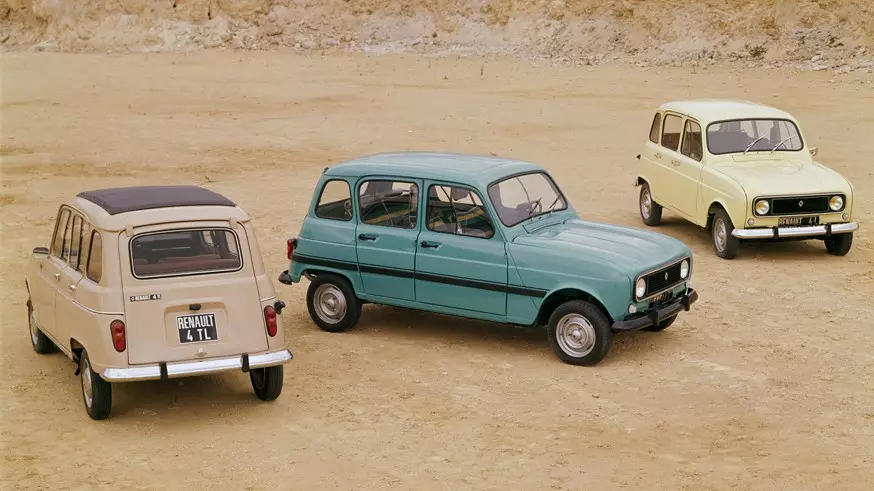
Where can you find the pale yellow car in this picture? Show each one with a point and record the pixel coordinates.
(743, 171)
(155, 282)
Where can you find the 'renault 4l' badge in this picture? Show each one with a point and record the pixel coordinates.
(145, 298)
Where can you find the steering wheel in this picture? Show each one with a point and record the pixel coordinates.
(347, 206)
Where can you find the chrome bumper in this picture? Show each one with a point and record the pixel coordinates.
(189, 368)
(786, 232)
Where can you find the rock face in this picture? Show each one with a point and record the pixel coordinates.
(838, 32)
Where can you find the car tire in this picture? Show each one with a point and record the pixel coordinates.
(96, 392)
(267, 382)
(650, 211)
(579, 333)
(725, 244)
(840, 244)
(332, 303)
(661, 326)
(38, 340)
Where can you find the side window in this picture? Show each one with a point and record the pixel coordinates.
(335, 202)
(94, 271)
(68, 238)
(692, 144)
(84, 249)
(457, 210)
(389, 203)
(60, 227)
(671, 132)
(654, 129)
(75, 242)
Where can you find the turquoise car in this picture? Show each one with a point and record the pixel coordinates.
(486, 238)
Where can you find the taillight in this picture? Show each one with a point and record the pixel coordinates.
(270, 319)
(118, 338)
(289, 247)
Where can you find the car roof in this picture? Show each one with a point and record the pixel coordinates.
(441, 166)
(707, 111)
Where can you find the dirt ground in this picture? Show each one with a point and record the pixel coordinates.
(768, 383)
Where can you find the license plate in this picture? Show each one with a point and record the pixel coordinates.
(196, 328)
(797, 221)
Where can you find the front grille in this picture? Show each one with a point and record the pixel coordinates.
(799, 205)
(662, 279)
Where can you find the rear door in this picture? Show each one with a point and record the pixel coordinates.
(190, 293)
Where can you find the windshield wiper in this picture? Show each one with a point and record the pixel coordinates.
(554, 203)
(753, 143)
(782, 142)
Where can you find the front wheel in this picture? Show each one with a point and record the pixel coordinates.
(38, 340)
(332, 303)
(650, 211)
(267, 382)
(96, 392)
(839, 245)
(579, 333)
(724, 243)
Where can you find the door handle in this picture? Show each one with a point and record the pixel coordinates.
(366, 237)
(72, 288)
(658, 155)
(57, 276)
(675, 162)
(429, 245)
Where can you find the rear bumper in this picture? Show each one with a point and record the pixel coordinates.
(787, 232)
(192, 368)
(654, 317)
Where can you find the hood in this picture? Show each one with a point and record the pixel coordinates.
(629, 249)
(765, 175)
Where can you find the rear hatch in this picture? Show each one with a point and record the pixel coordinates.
(190, 293)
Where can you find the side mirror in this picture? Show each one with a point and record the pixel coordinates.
(814, 151)
(40, 251)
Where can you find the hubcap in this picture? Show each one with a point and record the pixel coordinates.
(645, 203)
(34, 331)
(330, 304)
(575, 335)
(720, 234)
(87, 390)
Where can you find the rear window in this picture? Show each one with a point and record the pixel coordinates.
(185, 252)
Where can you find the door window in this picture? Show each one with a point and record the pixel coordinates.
(389, 203)
(654, 129)
(692, 145)
(68, 239)
(335, 201)
(60, 227)
(671, 132)
(458, 210)
(94, 270)
(75, 242)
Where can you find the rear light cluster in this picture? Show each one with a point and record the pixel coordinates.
(116, 328)
(290, 244)
(270, 319)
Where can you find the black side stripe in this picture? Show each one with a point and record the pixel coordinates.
(405, 273)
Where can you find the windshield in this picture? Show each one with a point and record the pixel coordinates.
(753, 135)
(519, 198)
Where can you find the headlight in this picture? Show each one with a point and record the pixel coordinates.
(684, 269)
(836, 203)
(762, 207)
(640, 288)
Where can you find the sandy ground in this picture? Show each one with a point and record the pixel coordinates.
(765, 384)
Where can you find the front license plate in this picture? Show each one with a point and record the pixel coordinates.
(797, 221)
(196, 328)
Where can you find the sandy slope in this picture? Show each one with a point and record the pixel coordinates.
(766, 384)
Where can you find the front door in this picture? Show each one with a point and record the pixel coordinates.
(461, 260)
(665, 191)
(687, 166)
(386, 236)
(45, 285)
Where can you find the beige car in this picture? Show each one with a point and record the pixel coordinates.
(155, 282)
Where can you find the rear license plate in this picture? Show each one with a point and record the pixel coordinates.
(196, 328)
(797, 221)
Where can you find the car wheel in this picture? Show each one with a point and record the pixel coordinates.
(724, 243)
(579, 333)
(332, 304)
(839, 245)
(267, 382)
(661, 326)
(38, 340)
(96, 392)
(650, 211)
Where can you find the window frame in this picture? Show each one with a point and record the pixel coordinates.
(555, 187)
(683, 139)
(87, 272)
(61, 211)
(680, 138)
(797, 130)
(322, 192)
(130, 253)
(472, 190)
(405, 180)
(656, 120)
(74, 241)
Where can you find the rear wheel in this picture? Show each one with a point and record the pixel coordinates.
(332, 303)
(96, 392)
(650, 211)
(579, 333)
(267, 382)
(839, 245)
(724, 243)
(39, 341)
(661, 326)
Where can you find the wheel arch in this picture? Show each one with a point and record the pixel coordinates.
(559, 296)
(310, 272)
(716, 205)
(76, 348)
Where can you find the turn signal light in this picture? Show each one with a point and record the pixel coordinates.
(289, 247)
(270, 319)
(118, 336)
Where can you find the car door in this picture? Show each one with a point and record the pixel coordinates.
(386, 233)
(45, 284)
(461, 260)
(653, 159)
(669, 161)
(66, 310)
(687, 166)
